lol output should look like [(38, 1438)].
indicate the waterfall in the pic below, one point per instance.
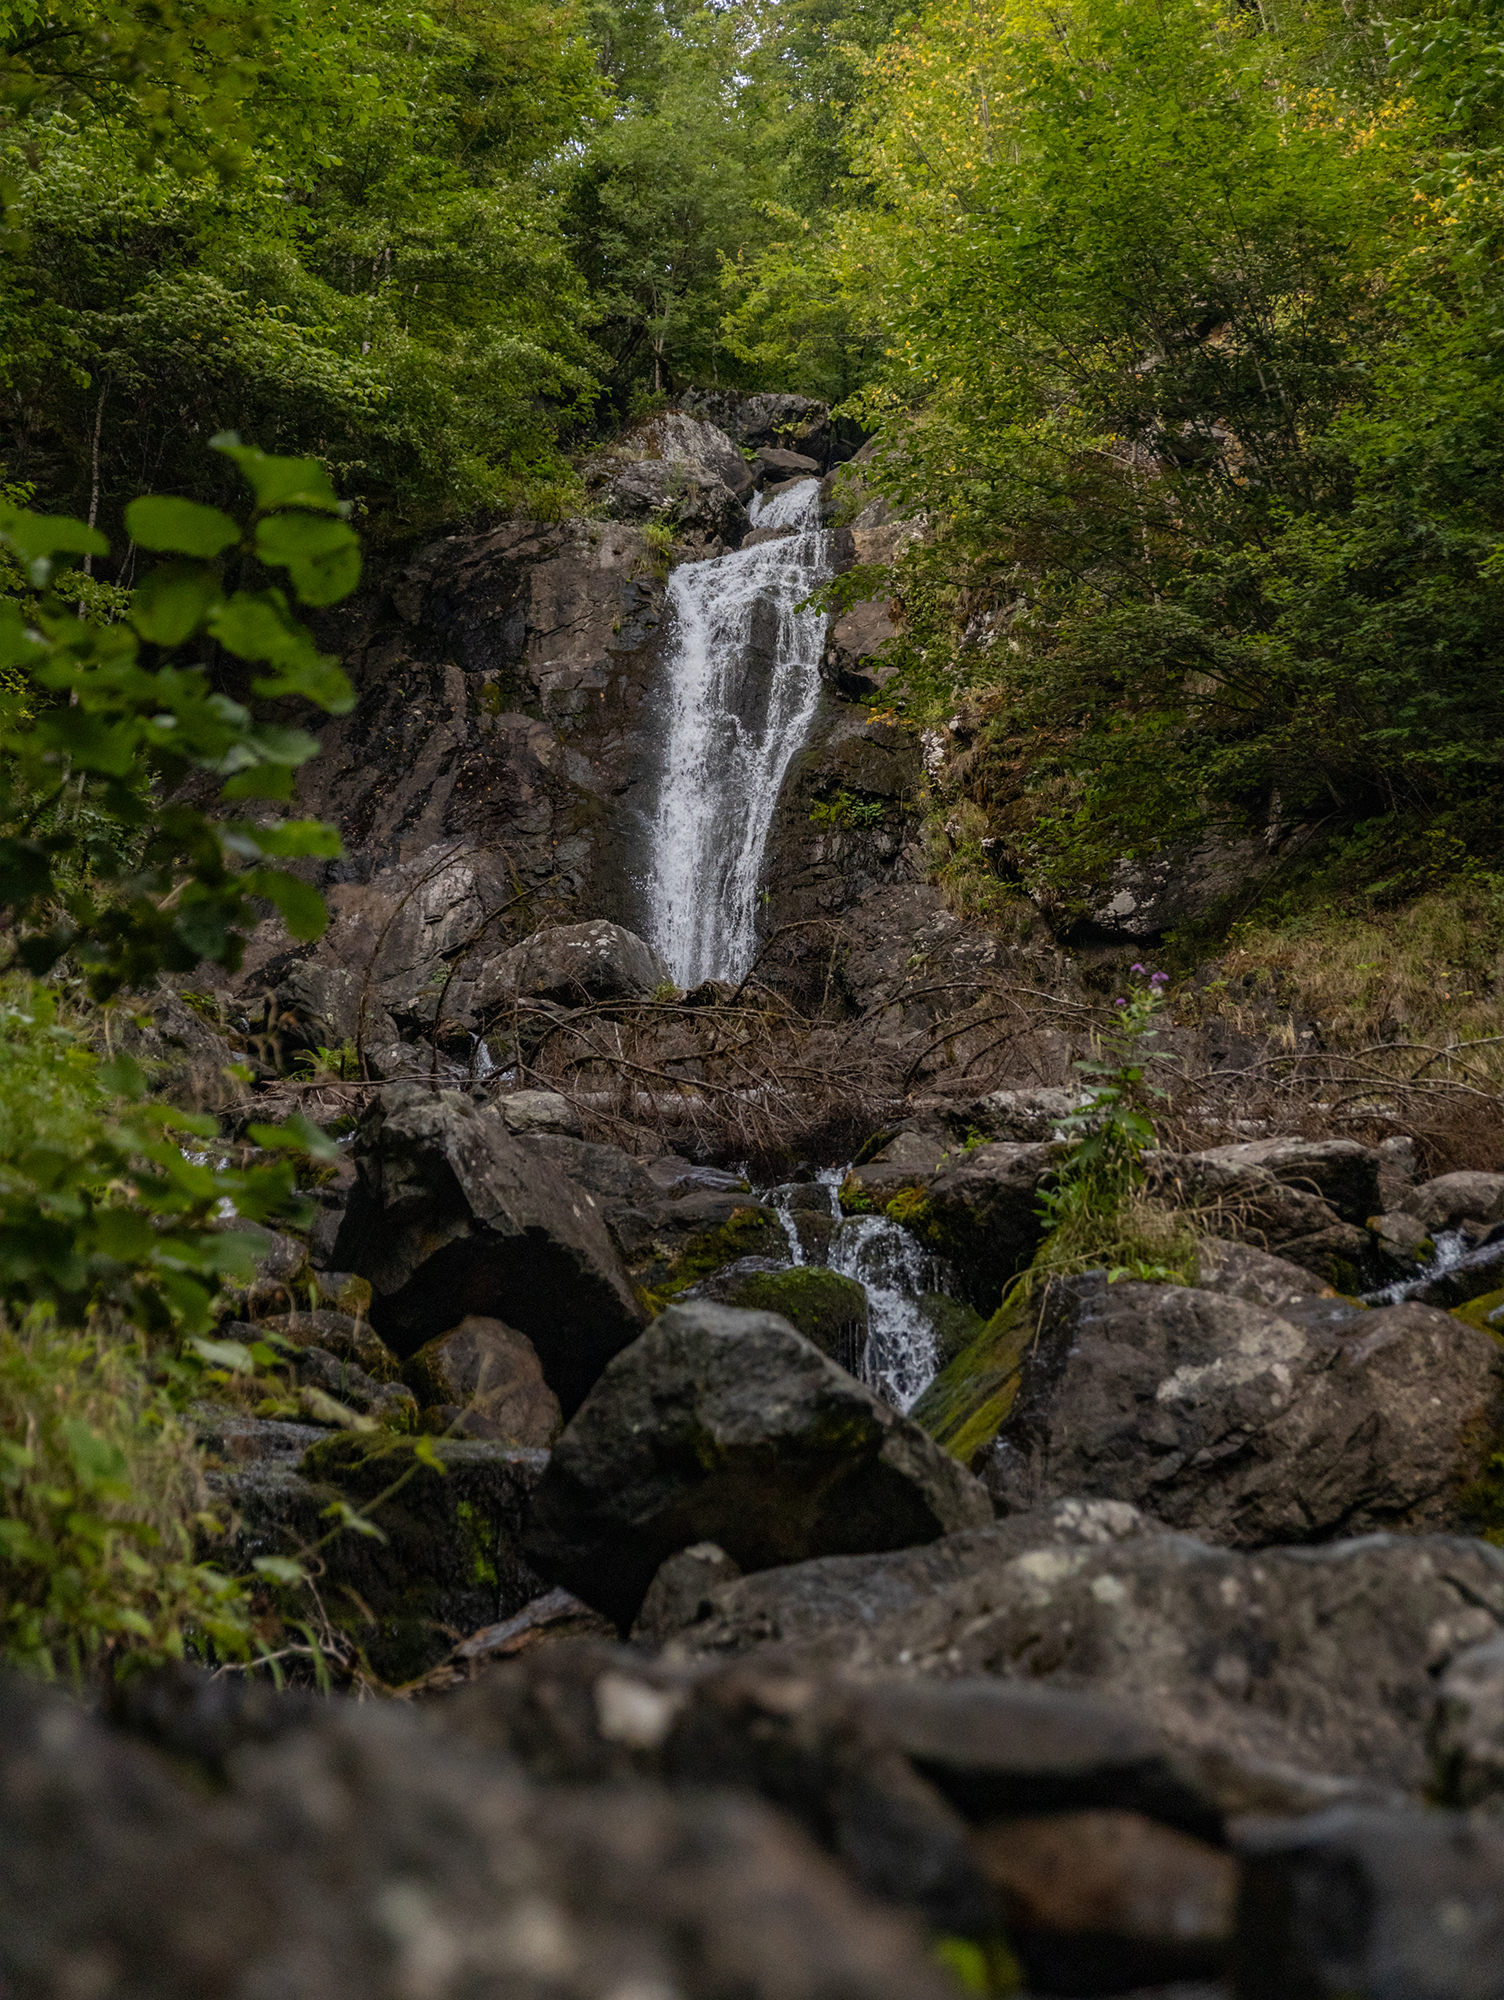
[(743, 683)]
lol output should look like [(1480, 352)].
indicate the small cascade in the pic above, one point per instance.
[(743, 684), (899, 1359), (1452, 1246)]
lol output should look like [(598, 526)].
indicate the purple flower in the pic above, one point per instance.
[(1138, 968), (1120, 1003), (1159, 978)]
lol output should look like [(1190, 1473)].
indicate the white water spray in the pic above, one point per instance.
[(743, 684)]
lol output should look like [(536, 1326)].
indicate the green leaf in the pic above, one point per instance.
[(280, 1569), (173, 602), (280, 482), (180, 527), (122, 1077), (302, 907), (296, 1134), (230, 1354), (321, 556), (287, 837), (25, 871), (35, 535), (113, 749)]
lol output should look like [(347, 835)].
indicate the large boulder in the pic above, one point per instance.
[(1340, 1171), (1451, 1199), (572, 965), (453, 1215), (981, 1213), (1291, 1676), (730, 1427), (1246, 1425), (345, 1852), (1253, 1204)]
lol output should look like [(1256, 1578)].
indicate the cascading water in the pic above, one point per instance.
[(743, 686), (743, 689), (899, 1358)]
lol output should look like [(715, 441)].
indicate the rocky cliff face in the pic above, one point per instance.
[(500, 769)]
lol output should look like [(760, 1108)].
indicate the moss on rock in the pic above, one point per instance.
[(970, 1399), (1486, 1313), (825, 1307), (749, 1231)]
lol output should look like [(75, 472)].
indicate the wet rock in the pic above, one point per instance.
[(491, 1374), (237, 1440), (390, 1404), (1451, 1199), (1239, 1271), (1362, 1902), (363, 1857), (1403, 1238), (281, 1266), (981, 1214), (1229, 1419), (1292, 1677), (973, 1392), (572, 965), (453, 1215), (775, 465), (729, 1427), (1099, 1901), (1186, 883), (679, 1592), (1466, 1733), (1476, 1275), (340, 1334), (449, 1562), (852, 662), (1340, 1171)]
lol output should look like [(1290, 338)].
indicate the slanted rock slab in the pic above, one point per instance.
[(730, 1427)]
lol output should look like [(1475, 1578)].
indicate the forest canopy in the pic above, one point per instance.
[(1180, 324)]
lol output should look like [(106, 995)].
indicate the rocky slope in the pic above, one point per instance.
[(782, 1604)]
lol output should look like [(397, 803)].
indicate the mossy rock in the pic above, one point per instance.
[(972, 1397), (1486, 1313), (749, 1231), (450, 1560), (825, 1307), (955, 1323)]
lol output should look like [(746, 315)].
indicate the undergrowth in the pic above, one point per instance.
[(1096, 1210)]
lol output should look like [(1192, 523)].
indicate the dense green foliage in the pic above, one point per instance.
[(113, 1252), (1190, 319)]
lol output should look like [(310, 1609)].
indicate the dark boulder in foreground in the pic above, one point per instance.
[(1352, 1902), (454, 1215), (1293, 1676), (730, 1427), (1246, 1425), (347, 1853)]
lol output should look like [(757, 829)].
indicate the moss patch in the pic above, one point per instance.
[(1481, 1313), (969, 1400), (825, 1307), (746, 1232)]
